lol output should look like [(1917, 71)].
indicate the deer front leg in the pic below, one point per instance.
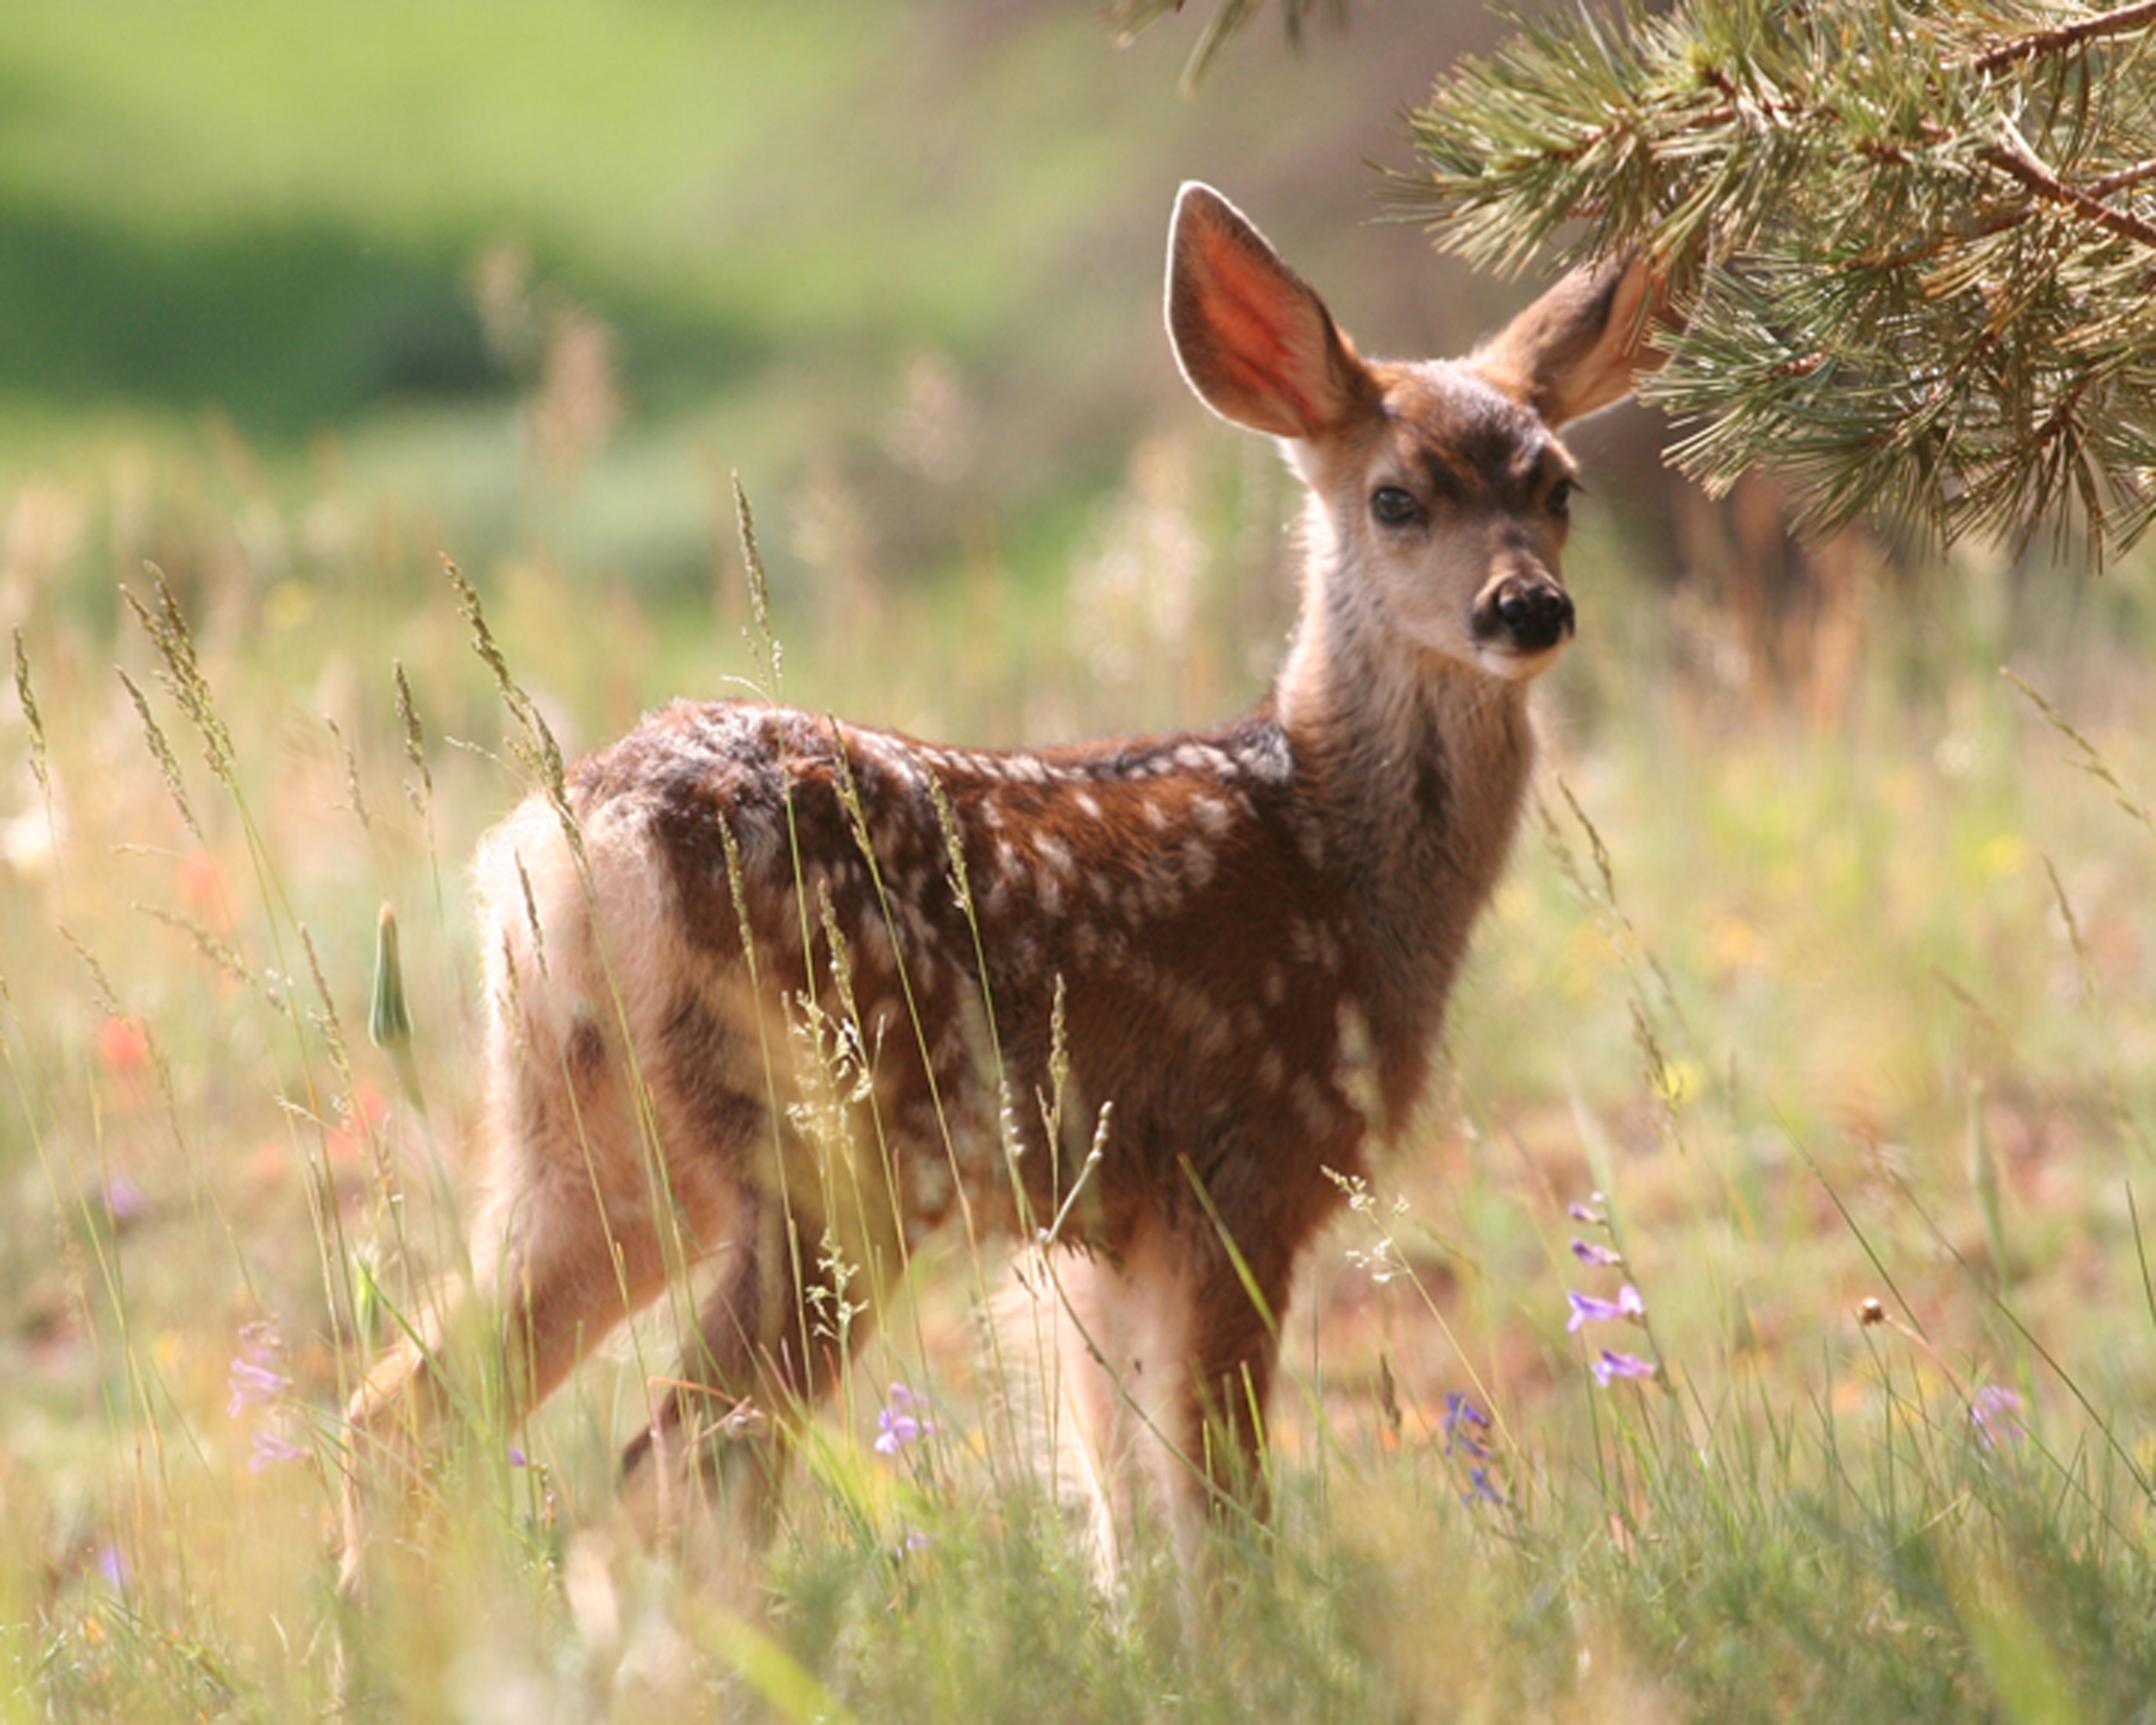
[(1165, 1362)]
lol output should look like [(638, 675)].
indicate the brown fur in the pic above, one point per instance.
[(1246, 934)]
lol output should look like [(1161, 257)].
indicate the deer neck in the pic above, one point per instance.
[(1420, 764)]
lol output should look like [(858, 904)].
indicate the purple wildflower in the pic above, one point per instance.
[(112, 1564), (1461, 1425), (1995, 1413), (1612, 1365), (271, 1451), (518, 1457), (253, 1385), (1587, 1309), (1480, 1491), (897, 1424), (125, 1199), (1587, 1215), (1600, 1256)]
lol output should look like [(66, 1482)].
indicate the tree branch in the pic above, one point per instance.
[(2119, 181), (2014, 158), (2066, 36)]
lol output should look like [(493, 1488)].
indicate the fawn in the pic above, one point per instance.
[(1140, 998)]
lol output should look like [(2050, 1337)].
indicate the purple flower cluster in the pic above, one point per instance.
[(125, 1200), (252, 1377), (255, 1382), (1609, 1363), (899, 1421), (1464, 1426)]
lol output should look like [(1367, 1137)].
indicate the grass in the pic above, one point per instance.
[(1825, 1016)]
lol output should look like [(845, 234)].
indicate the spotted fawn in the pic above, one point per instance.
[(1140, 1001)]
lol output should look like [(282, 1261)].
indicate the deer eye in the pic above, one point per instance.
[(1393, 507), (1561, 496)]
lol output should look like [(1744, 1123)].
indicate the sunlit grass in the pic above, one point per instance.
[(1824, 1016)]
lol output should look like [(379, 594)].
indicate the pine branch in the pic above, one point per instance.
[(1915, 272), (2014, 157), (2122, 181), (2065, 37)]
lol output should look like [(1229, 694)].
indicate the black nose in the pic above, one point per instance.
[(1536, 615)]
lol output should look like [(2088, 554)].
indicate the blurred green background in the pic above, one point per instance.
[(897, 261)]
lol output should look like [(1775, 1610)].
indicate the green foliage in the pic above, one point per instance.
[(1910, 245)]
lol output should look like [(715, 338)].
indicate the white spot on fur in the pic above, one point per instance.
[(1024, 947), (1317, 1114), (1354, 1071), (1329, 952), (1310, 840), (1193, 1013), (1315, 945), (872, 943), (1056, 855), (931, 1182)]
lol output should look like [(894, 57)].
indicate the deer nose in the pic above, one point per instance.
[(1532, 613)]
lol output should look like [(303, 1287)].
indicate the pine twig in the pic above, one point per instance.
[(2014, 158), (2122, 181), (2037, 42)]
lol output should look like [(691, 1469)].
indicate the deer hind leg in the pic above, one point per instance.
[(584, 1206), (565, 1245), (771, 1343)]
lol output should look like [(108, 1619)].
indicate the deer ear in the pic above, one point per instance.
[(1580, 347), (1253, 338)]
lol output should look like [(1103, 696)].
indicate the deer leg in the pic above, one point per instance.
[(567, 1243), (770, 1346), (1234, 1346), (1165, 1362)]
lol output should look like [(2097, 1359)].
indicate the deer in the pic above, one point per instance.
[(1144, 1002)]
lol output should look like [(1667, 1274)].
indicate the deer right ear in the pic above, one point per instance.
[(1582, 344), (1252, 337)]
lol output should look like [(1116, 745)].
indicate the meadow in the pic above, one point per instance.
[(1760, 1324)]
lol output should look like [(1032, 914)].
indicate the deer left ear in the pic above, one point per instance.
[(1581, 346), (1252, 337)]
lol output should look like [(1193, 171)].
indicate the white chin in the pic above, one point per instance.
[(1516, 667)]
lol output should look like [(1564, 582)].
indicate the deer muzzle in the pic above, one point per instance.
[(1529, 614)]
